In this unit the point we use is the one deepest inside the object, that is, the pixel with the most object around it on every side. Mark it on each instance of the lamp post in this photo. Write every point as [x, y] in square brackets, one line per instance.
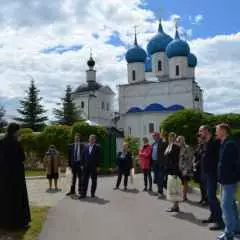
[90, 95]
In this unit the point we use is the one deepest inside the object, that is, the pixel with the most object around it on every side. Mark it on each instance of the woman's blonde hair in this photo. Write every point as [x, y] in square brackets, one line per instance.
[181, 139]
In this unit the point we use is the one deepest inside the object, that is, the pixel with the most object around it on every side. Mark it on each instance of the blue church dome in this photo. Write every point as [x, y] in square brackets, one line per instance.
[136, 53]
[159, 42]
[192, 60]
[177, 48]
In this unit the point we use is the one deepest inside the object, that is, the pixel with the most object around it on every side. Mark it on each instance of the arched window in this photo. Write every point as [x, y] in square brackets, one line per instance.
[133, 75]
[103, 106]
[177, 70]
[82, 104]
[159, 65]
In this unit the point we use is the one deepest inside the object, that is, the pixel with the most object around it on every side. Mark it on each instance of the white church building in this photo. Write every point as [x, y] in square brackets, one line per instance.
[160, 82]
[94, 100]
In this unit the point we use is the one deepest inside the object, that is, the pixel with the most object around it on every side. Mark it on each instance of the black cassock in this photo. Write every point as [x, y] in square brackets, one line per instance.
[14, 204]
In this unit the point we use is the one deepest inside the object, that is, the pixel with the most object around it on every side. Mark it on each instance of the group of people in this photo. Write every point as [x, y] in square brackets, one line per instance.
[216, 160]
[174, 158]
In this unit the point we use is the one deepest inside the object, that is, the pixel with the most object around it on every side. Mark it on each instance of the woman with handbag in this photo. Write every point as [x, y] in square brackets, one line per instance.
[186, 158]
[145, 154]
[124, 166]
[174, 191]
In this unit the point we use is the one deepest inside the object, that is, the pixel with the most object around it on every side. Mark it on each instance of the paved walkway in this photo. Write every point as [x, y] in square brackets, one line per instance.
[38, 195]
[131, 215]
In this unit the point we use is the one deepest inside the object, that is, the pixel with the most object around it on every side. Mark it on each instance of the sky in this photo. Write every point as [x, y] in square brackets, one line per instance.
[50, 42]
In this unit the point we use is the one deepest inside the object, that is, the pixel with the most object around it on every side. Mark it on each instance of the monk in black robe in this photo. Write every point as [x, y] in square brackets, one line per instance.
[14, 205]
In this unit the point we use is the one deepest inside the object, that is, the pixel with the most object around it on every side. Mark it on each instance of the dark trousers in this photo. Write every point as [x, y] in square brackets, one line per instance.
[203, 190]
[90, 173]
[76, 174]
[214, 204]
[119, 179]
[159, 176]
[147, 178]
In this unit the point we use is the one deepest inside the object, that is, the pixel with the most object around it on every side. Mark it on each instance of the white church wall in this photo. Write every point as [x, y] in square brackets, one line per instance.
[182, 62]
[96, 112]
[143, 124]
[101, 109]
[191, 72]
[156, 57]
[138, 68]
[166, 93]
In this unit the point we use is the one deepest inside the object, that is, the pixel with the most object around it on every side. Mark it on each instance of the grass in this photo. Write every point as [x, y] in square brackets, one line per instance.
[38, 217]
[34, 173]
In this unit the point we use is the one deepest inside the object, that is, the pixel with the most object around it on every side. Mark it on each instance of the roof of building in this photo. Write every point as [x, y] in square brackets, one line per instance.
[159, 42]
[192, 60]
[136, 53]
[178, 47]
[90, 86]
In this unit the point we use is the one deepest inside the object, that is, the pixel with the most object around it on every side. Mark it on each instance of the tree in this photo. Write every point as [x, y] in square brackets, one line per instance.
[185, 122]
[68, 114]
[3, 122]
[31, 110]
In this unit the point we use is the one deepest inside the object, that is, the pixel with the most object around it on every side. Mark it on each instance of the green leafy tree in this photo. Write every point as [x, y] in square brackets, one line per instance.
[68, 114]
[31, 110]
[185, 122]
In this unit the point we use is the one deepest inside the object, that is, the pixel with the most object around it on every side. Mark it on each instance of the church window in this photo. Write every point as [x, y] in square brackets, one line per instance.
[103, 106]
[133, 75]
[129, 131]
[159, 65]
[151, 127]
[177, 70]
[107, 106]
[145, 130]
[82, 104]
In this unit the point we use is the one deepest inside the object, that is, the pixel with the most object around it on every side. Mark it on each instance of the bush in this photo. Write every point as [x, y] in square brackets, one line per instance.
[184, 122]
[85, 130]
[57, 135]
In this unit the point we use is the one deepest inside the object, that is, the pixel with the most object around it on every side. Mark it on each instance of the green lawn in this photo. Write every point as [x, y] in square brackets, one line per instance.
[34, 173]
[38, 217]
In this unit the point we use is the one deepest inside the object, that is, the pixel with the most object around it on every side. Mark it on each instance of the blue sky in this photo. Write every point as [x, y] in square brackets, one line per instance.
[220, 16]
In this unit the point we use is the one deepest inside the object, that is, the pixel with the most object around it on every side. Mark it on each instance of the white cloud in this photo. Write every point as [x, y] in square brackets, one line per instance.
[196, 19]
[28, 27]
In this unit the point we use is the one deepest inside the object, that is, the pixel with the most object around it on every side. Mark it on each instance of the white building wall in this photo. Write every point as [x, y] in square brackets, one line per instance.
[94, 112]
[91, 75]
[182, 62]
[191, 72]
[166, 93]
[139, 123]
[164, 60]
[139, 72]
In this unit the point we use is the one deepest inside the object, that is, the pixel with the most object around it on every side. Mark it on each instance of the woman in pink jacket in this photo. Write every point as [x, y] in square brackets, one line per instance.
[145, 154]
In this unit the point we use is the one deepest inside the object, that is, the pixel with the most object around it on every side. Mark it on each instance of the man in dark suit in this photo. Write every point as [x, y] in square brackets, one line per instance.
[158, 148]
[209, 161]
[74, 161]
[90, 162]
